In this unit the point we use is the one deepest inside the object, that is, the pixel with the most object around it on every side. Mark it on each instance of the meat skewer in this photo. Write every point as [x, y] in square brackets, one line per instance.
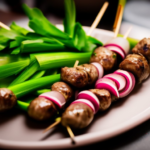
[74, 117]
[68, 77]
[79, 105]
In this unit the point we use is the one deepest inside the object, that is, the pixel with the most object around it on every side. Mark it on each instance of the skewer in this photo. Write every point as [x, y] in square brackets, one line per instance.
[116, 18]
[71, 134]
[127, 32]
[119, 21]
[4, 26]
[95, 23]
[58, 120]
[76, 63]
[98, 18]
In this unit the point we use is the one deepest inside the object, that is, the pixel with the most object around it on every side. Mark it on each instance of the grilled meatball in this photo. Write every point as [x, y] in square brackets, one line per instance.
[77, 115]
[42, 109]
[80, 76]
[143, 47]
[7, 99]
[136, 64]
[64, 89]
[105, 57]
[77, 76]
[104, 97]
[92, 73]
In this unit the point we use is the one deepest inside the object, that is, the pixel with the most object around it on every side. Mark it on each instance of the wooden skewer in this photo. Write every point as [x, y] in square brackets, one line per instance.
[119, 21]
[76, 63]
[71, 134]
[4, 26]
[127, 32]
[58, 120]
[116, 18]
[98, 18]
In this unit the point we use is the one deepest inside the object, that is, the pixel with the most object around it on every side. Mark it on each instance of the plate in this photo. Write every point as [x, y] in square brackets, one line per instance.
[18, 131]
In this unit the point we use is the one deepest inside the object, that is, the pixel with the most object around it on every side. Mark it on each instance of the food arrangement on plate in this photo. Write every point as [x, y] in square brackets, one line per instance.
[45, 58]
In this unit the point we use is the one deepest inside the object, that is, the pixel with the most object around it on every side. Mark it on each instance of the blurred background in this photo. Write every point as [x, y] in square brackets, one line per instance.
[136, 13]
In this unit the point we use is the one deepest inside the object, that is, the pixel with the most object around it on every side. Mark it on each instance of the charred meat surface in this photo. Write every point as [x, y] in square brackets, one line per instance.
[64, 89]
[77, 115]
[104, 97]
[105, 57]
[77, 76]
[80, 76]
[92, 73]
[136, 64]
[143, 47]
[7, 99]
[42, 109]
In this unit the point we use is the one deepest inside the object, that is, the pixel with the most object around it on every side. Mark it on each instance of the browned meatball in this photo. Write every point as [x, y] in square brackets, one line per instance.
[77, 115]
[7, 99]
[42, 109]
[104, 97]
[92, 73]
[64, 89]
[105, 57]
[80, 76]
[136, 64]
[143, 47]
[77, 76]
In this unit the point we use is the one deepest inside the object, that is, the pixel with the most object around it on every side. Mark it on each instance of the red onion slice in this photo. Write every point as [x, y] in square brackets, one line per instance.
[133, 80]
[121, 43]
[91, 97]
[130, 82]
[87, 102]
[118, 79]
[55, 97]
[116, 50]
[99, 68]
[107, 84]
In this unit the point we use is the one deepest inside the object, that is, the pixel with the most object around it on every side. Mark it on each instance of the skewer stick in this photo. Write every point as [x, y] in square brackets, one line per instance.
[71, 134]
[4, 26]
[58, 120]
[76, 63]
[116, 18]
[119, 21]
[127, 33]
[98, 18]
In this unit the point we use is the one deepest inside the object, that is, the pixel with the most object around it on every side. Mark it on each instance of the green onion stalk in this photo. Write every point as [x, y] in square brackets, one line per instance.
[45, 61]
[30, 86]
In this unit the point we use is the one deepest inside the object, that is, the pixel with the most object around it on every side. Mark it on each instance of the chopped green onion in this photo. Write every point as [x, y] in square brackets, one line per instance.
[61, 59]
[8, 33]
[29, 71]
[2, 47]
[70, 17]
[80, 37]
[22, 105]
[33, 85]
[19, 29]
[12, 68]
[94, 41]
[38, 74]
[16, 51]
[41, 25]
[38, 92]
[31, 46]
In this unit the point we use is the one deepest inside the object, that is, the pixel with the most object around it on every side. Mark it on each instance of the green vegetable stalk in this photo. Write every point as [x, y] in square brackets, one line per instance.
[27, 87]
